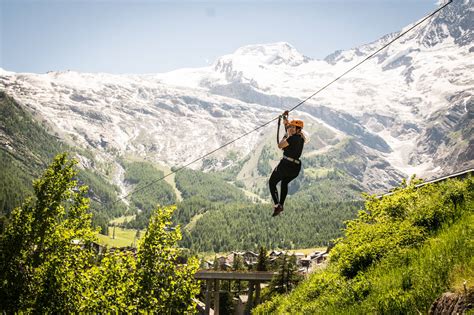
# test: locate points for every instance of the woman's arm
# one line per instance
(285, 122)
(283, 143)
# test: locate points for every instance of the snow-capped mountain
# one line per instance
(392, 100)
(134, 115)
(410, 109)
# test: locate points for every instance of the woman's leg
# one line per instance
(284, 188)
(272, 183)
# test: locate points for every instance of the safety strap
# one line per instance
(278, 129)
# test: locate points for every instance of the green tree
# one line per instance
(238, 265)
(287, 277)
(215, 264)
(48, 265)
(262, 259)
(226, 304)
(45, 248)
(111, 285)
(163, 286)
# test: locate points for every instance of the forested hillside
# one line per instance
(146, 192)
(249, 226)
(400, 254)
(27, 147)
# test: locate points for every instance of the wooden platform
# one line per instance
(234, 275)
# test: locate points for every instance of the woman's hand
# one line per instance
(285, 117)
(291, 130)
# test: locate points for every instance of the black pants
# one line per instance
(285, 172)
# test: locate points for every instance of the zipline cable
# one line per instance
(293, 108)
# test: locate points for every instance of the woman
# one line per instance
(290, 165)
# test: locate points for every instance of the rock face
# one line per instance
(453, 303)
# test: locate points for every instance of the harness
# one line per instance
(296, 161)
(291, 159)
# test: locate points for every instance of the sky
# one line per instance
(148, 36)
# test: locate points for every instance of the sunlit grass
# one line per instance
(392, 273)
(123, 237)
(122, 219)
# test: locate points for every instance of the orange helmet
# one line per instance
(296, 123)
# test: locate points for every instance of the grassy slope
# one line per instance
(123, 237)
(399, 274)
(171, 180)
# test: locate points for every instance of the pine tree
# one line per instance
(287, 276)
(262, 260)
(238, 263)
(215, 264)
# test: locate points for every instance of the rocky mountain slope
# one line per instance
(408, 110)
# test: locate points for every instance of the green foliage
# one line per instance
(367, 243)
(41, 267)
(262, 260)
(15, 183)
(414, 278)
(164, 287)
(399, 221)
(104, 205)
(111, 285)
(335, 185)
(191, 207)
(397, 257)
(238, 263)
(49, 266)
(287, 276)
(26, 146)
(209, 186)
(149, 192)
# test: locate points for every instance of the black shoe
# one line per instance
(277, 209)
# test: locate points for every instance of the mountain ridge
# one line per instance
(389, 107)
